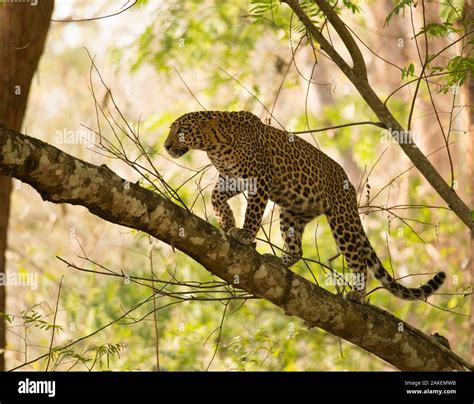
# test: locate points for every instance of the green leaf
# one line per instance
(8, 317)
(438, 30)
(351, 6)
(398, 7)
(409, 71)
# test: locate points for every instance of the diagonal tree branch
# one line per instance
(62, 178)
(357, 59)
(357, 75)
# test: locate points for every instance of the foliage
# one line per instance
(399, 7)
(453, 21)
(190, 34)
(31, 317)
(457, 70)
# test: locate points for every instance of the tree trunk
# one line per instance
(467, 99)
(24, 26)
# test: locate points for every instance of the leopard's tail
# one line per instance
(353, 243)
(396, 288)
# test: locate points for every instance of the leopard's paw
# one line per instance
(286, 260)
(355, 296)
(241, 235)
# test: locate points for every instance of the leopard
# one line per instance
(271, 164)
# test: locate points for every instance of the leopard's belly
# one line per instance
(301, 199)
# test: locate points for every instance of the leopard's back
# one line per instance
(302, 180)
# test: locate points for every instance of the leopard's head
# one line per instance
(197, 130)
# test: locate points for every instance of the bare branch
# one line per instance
(124, 8)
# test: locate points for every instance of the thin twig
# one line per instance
(378, 124)
(54, 323)
(99, 18)
(218, 335)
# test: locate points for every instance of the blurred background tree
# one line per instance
(162, 59)
(23, 35)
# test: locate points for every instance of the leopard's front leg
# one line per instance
(220, 195)
(256, 203)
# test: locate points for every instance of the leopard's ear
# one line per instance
(215, 131)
